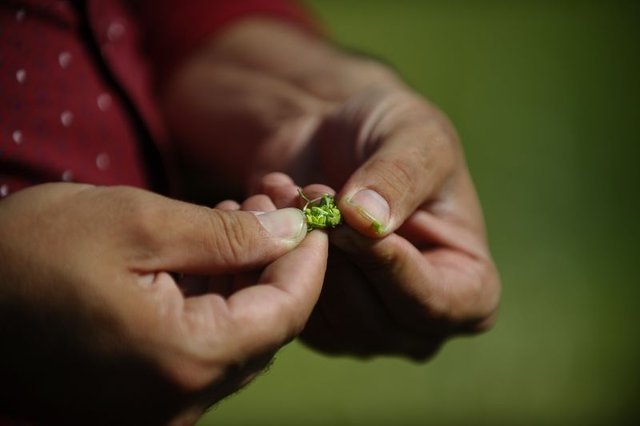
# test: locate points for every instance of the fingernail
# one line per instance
(288, 224)
(373, 207)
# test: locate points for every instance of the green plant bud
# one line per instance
(321, 213)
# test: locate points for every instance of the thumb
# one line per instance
(199, 240)
(408, 169)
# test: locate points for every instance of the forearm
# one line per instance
(256, 93)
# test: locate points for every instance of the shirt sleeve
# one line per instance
(173, 28)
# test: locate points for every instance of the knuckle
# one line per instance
(491, 297)
(125, 200)
(278, 324)
(480, 299)
(295, 321)
(397, 176)
(141, 218)
(227, 238)
(289, 319)
(188, 372)
(464, 301)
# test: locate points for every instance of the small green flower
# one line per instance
(321, 212)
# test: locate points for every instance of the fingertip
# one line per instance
(270, 182)
(316, 190)
(281, 189)
(366, 211)
(259, 203)
(228, 205)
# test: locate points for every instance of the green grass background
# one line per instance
(546, 98)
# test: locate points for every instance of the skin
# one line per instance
(402, 294)
(87, 288)
(89, 300)
(404, 275)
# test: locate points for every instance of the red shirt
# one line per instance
(76, 84)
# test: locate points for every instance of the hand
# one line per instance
(413, 266)
(94, 326)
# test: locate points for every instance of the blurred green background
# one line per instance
(546, 98)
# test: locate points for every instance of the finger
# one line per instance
(407, 168)
(263, 317)
(258, 203)
(271, 180)
(229, 205)
(288, 195)
(350, 318)
(315, 191)
(181, 237)
(438, 291)
(336, 325)
(280, 188)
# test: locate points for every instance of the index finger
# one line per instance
(439, 290)
(261, 318)
(285, 193)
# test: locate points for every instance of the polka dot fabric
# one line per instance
(76, 89)
(60, 119)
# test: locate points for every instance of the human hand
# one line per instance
(413, 267)
(94, 327)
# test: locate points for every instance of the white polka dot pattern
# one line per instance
(66, 106)
(104, 101)
(17, 137)
(66, 118)
(103, 161)
(21, 75)
(64, 58)
(115, 31)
